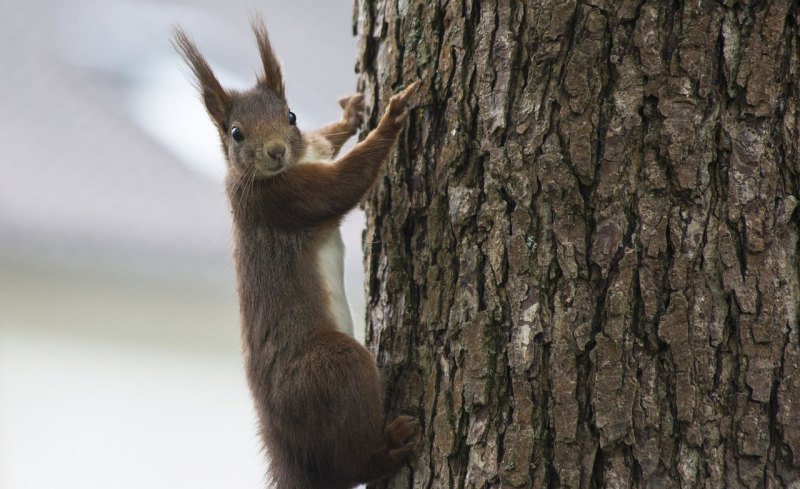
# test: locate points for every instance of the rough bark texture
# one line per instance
(583, 259)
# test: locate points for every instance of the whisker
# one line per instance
(249, 186)
(242, 186)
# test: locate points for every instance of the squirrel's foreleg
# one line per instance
(314, 193)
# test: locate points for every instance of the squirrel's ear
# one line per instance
(272, 77)
(215, 98)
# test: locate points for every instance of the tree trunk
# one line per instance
(583, 258)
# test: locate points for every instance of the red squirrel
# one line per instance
(317, 391)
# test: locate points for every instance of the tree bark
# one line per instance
(582, 262)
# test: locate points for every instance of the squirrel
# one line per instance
(317, 391)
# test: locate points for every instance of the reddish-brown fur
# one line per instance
(317, 391)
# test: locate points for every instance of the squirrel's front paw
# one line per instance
(353, 107)
(399, 104)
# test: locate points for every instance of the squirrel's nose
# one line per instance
(277, 150)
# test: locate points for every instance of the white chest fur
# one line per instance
(330, 255)
(330, 259)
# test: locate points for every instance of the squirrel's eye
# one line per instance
(292, 118)
(237, 134)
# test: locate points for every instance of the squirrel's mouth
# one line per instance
(269, 158)
(271, 167)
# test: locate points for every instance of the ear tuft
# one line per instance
(272, 77)
(215, 98)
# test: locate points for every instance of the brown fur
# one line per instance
(272, 78)
(317, 391)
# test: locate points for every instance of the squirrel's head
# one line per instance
(258, 132)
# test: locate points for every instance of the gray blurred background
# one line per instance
(119, 340)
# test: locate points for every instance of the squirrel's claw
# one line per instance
(351, 99)
(399, 104)
(353, 107)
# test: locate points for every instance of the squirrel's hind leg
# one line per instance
(402, 438)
